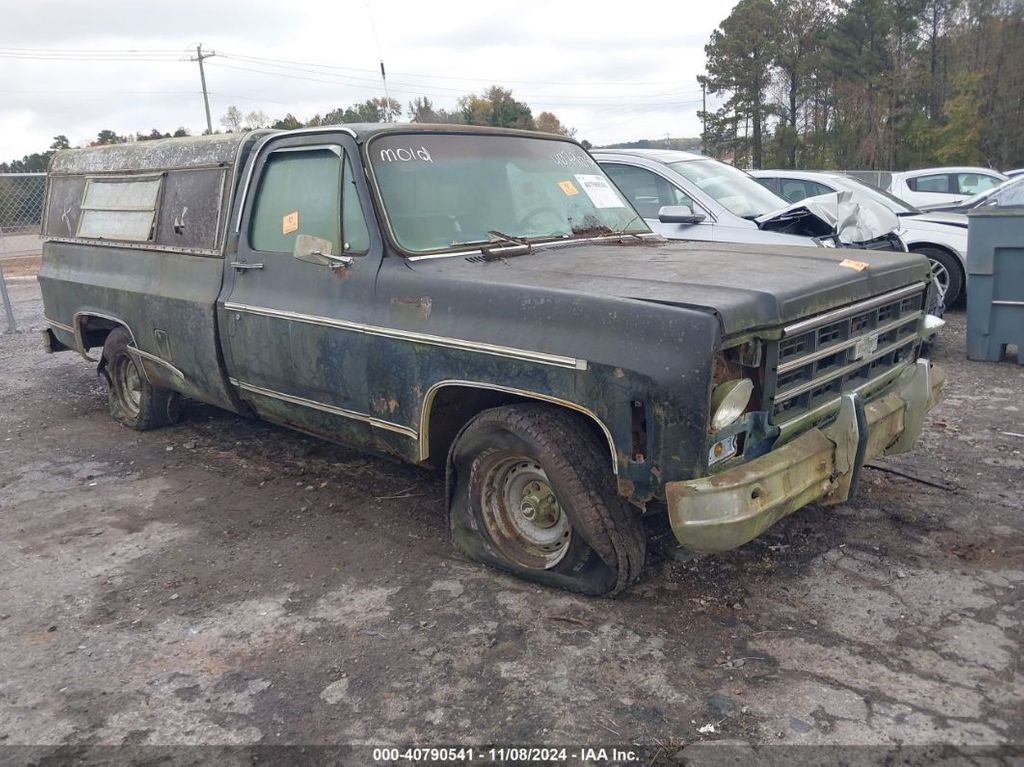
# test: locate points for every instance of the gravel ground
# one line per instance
(227, 582)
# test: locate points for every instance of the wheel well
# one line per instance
(922, 247)
(93, 330)
(452, 407)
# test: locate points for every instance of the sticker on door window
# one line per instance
(568, 188)
(290, 222)
(599, 191)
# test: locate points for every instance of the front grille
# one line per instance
(820, 358)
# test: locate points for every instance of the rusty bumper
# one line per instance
(728, 509)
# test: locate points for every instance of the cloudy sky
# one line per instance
(75, 68)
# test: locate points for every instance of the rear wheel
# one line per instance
(131, 399)
(947, 272)
(531, 492)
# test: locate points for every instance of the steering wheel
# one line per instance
(534, 219)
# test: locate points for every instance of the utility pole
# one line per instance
(704, 117)
(202, 76)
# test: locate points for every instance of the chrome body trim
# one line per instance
(128, 245)
(527, 355)
(428, 400)
(325, 408)
(797, 362)
(134, 350)
(80, 341)
(60, 326)
(846, 311)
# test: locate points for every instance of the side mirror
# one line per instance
(679, 214)
(317, 250)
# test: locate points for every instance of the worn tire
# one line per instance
(133, 402)
(951, 265)
(608, 543)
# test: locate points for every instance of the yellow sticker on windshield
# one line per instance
(568, 188)
(860, 266)
(290, 222)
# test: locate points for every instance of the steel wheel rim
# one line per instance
(522, 514)
(941, 276)
(128, 383)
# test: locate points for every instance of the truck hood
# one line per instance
(851, 217)
(747, 287)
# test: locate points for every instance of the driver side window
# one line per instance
(299, 193)
(646, 190)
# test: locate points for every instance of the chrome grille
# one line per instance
(821, 357)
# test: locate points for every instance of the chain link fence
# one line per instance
(878, 178)
(21, 214)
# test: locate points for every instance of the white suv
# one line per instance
(935, 186)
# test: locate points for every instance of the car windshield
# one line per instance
(737, 192)
(997, 195)
(444, 191)
(893, 203)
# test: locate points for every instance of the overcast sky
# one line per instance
(612, 78)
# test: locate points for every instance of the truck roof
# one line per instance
(222, 149)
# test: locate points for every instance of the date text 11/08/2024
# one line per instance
(502, 754)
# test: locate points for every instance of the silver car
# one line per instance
(686, 196)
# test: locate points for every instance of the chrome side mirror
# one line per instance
(317, 250)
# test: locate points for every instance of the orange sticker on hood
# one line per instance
(860, 266)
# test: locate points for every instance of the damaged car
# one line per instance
(686, 196)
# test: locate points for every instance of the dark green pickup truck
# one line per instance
(487, 301)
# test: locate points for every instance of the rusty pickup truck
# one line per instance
(487, 302)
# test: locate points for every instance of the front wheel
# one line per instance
(947, 272)
(531, 492)
(131, 399)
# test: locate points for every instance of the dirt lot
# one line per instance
(227, 582)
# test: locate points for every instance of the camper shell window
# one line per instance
(119, 209)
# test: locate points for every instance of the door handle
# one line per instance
(240, 265)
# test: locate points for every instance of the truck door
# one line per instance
(292, 338)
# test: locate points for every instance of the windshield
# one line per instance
(737, 192)
(449, 190)
(997, 195)
(893, 203)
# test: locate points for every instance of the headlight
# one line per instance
(728, 401)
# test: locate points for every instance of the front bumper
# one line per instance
(728, 509)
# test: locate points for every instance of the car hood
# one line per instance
(747, 287)
(939, 217)
(853, 218)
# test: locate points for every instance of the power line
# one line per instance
(421, 90)
(77, 54)
(449, 77)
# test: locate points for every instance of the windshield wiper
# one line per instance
(508, 238)
(626, 226)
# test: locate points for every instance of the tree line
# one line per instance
(494, 106)
(874, 84)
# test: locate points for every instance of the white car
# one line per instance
(937, 186)
(942, 237)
